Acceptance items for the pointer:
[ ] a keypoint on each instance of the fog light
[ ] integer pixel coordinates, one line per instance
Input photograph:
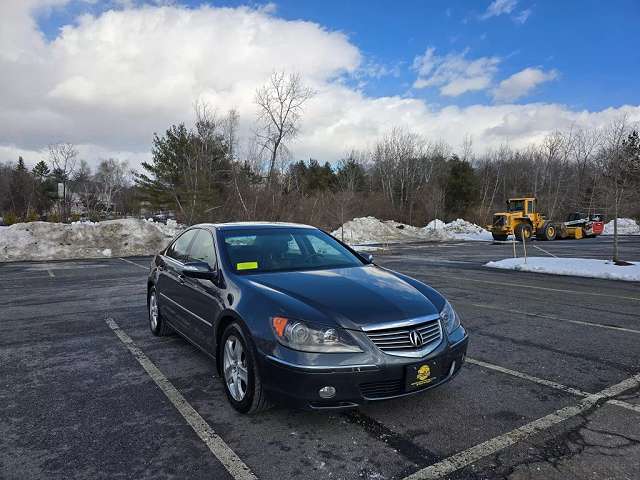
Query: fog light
(327, 392)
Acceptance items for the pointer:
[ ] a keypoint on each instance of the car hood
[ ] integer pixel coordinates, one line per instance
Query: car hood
(352, 297)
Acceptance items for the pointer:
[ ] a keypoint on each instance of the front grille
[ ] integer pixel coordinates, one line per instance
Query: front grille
(388, 388)
(396, 340)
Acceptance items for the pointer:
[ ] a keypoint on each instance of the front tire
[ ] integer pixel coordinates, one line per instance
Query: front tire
(523, 231)
(159, 327)
(240, 374)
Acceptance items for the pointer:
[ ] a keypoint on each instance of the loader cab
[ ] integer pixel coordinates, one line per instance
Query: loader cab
(525, 205)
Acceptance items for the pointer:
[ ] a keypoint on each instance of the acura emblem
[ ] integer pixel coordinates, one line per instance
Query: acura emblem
(415, 338)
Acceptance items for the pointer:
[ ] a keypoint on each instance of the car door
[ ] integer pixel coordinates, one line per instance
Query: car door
(204, 297)
(170, 286)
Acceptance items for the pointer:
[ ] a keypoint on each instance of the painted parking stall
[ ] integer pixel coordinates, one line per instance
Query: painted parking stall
(533, 385)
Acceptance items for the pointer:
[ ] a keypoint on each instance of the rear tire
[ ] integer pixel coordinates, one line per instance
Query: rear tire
(549, 232)
(157, 324)
(239, 371)
(498, 237)
(523, 230)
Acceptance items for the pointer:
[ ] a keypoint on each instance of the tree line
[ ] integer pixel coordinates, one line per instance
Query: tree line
(62, 187)
(206, 173)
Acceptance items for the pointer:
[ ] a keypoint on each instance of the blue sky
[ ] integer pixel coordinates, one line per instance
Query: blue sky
(105, 75)
(592, 45)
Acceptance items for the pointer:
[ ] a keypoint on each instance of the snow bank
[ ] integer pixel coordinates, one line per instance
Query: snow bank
(626, 226)
(436, 224)
(366, 230)
(53, 241)
(577, 267)
(460, 230)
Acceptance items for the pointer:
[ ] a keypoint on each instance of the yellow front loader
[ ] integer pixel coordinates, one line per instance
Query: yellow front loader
(523, 220)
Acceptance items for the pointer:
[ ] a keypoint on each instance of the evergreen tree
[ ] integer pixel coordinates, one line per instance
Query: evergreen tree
(188, 171)
(41, 170)
(21, 166)
(319, 177)
(461, 187)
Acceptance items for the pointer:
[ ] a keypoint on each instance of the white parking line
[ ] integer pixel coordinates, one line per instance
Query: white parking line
(628, 406)
(477, 452)
(548, 383)
(236, 467)
(526, 286)
(133, 263)
(530, 378)
(551, 317)
(50, 273)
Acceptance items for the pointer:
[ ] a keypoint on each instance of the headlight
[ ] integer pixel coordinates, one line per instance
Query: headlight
(302, 336)
(449, 317)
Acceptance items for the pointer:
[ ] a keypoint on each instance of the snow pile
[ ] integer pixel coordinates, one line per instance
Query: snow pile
(365, 230)
(577, 267)
(53, 241)
(436, 224)
(626, 226)
(460, 230)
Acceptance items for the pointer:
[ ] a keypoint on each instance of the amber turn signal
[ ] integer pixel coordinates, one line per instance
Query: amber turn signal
(279, 323)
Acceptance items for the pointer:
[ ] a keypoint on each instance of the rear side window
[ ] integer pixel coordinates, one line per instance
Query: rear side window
(180, 248)
(203, 249)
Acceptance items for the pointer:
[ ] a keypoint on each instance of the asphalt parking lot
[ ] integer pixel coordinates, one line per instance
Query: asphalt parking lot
(551, 389)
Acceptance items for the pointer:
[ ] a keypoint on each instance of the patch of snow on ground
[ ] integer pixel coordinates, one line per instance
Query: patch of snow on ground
(578, 267)
(366, 248)
(58, 241)
(626, 226)
(366, 230)
(460, 229)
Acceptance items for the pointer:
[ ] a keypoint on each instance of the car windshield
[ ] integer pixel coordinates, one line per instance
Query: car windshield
(280, 249)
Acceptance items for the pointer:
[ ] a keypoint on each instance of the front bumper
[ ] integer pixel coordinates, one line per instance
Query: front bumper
(357, 384)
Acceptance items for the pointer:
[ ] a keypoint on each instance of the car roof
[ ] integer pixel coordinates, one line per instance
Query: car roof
(251, 225)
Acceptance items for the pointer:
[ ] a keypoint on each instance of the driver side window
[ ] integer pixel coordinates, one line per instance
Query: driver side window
(179, 249)
(203, 249)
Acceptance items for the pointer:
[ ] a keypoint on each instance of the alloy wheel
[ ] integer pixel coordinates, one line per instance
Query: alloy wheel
(153, 311)
(234, 366)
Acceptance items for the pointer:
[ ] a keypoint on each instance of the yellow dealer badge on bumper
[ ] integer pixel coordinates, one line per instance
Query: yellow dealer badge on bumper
(420, 375)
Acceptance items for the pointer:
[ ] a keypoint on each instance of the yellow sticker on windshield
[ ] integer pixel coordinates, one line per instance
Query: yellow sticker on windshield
(246, 266)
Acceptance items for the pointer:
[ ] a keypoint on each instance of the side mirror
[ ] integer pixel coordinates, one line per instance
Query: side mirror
(199, 269)
(367, 257)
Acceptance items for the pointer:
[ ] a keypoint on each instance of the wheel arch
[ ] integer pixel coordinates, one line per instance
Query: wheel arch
(226, 317)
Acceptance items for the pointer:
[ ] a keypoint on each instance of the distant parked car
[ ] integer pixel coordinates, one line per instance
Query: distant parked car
(293, 315)
(163, 217)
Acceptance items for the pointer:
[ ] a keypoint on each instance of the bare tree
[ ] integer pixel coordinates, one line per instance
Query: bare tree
(111, 177)
(586, 145)
(620, 167)
(280, 105)
(63, 158)
(84, 185)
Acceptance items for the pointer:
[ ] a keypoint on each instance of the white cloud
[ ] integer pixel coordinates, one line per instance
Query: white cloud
(522, 83)
(499, 7)
(453, 73)
(523, 16)
(108, 82)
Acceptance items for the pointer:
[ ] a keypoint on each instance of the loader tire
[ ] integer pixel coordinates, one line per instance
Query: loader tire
(523, 230)
(499, 238)
(549, 232)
